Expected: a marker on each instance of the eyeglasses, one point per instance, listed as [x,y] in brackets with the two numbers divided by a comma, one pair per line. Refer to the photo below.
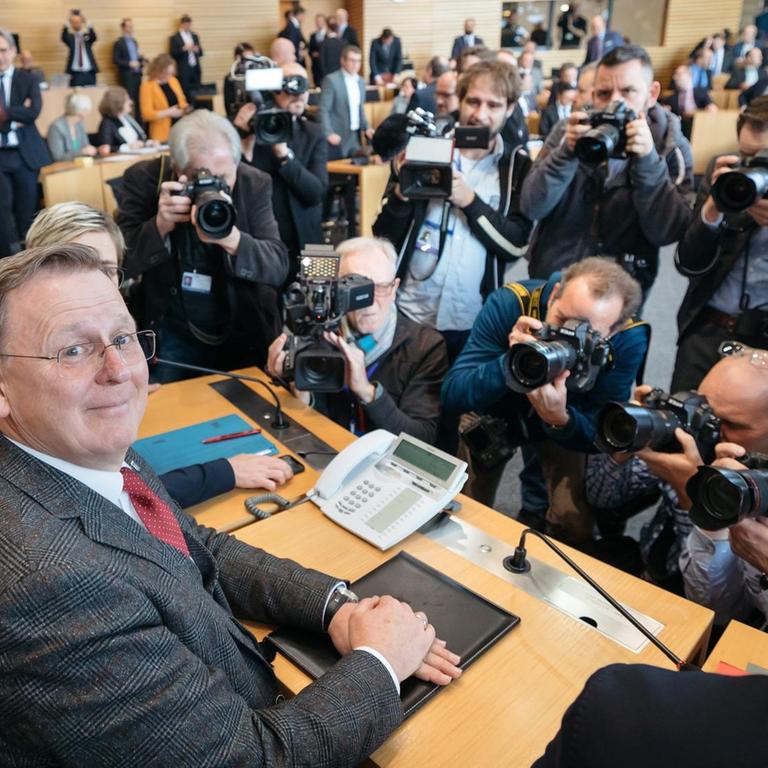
[76,359]
[758,357]
[116,274]
[382,289]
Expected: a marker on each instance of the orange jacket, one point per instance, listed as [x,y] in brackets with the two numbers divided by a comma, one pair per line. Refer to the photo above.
[152,100]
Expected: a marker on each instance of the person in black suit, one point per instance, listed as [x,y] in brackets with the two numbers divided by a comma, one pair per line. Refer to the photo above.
[315,41]
[560,109]
[346,32]
[685,99]
[573,27]
[79,38]
[234,89]
[298,167]
[602,40]
[424,98]
[187,51]
[468,40]
[292,31]
[722,55]
[118,130]
[128,60]
[22,150]
[386,58]
[748,73]
[330,50]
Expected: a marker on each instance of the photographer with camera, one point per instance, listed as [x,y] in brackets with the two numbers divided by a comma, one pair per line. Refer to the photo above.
[724,252]
[614,181]
[453,251]
[201,234]
[294,158]
[393,367]
[542,359]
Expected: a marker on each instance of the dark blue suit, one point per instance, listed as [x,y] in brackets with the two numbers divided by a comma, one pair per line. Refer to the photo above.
[610,41]
[460,43]
[197,483]
[293,33]
[385,62]
[424,98]
[89,38]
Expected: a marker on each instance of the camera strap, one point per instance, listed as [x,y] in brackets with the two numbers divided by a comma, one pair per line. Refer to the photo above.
[745,298]
[530,301]
[443,228]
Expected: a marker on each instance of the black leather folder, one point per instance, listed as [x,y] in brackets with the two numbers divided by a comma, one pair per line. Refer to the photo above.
[469,623]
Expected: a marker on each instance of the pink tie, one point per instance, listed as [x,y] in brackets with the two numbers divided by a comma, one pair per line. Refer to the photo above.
[153,511]
[79,46]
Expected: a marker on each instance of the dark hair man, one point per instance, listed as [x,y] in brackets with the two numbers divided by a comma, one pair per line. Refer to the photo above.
[292,31]
[316,39]
[468,40]
[386,57]
[557,424]
[601,41]
[613,209]
[79,36]
[234,89]
[134,604]
[129,61]
[725,257]
[186,50]
[424,98]
[213,301]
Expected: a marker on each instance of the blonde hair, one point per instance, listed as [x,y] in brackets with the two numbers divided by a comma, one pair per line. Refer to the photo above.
[158,65]
[77,103]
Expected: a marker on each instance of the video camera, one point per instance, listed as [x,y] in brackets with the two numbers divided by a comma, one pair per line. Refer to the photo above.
[628,427]
[723,497]
[427,172]
[216,215]
[314,304]
[573,347]
[608,136]
[742,187]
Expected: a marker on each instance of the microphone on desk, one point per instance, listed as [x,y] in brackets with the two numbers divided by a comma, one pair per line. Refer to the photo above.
[518,563]
[278,422]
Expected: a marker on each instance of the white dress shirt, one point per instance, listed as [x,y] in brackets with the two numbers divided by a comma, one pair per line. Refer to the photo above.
[188,39]
[6,78]
[352,84]
[86,66]
[717,61]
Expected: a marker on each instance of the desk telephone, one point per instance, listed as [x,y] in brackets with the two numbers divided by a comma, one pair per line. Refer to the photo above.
[382,488]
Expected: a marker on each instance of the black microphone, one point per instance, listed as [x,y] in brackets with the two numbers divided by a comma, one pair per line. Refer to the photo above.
[518,563]
[278,422]
[391,137]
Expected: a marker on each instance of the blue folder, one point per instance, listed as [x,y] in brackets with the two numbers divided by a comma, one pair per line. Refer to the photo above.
[182,447]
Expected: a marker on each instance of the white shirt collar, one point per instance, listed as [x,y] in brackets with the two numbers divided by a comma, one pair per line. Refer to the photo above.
[294,21]
[8,72]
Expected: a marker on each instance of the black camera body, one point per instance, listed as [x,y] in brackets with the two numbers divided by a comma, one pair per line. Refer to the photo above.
[314,304]
[489,441]
[628,427]
[216,215]
[608,136]
[272,126]
[574,347]
[747,184]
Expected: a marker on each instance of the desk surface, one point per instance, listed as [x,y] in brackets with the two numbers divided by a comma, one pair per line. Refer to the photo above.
[738,646]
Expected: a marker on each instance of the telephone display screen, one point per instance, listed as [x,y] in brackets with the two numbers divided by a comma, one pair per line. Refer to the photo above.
[424,460]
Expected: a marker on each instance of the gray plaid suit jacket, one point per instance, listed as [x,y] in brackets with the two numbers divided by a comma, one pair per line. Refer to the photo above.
[116,650]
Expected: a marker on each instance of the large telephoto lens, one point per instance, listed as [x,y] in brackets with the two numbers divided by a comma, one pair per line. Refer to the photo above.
[272,126]
[215,215]
[320,367]
[721,497]
[598,144]
[740,189]
[626,427]
[535,363]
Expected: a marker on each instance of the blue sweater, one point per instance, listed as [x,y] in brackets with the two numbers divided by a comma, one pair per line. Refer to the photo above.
[476,380]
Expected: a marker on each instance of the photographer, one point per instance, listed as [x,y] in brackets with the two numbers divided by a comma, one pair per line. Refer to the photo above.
[297,167]
[453,252]
[394,367]
[212,298]
[554,421]
[736,389]
[626,208]
[724,255]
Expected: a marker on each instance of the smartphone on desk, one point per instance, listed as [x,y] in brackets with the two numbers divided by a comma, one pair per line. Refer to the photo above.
[294,464]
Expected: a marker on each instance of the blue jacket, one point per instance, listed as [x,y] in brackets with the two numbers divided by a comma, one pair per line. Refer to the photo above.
[476,380]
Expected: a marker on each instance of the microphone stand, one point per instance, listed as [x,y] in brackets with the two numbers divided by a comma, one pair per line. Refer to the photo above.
[278,422]
[518,563]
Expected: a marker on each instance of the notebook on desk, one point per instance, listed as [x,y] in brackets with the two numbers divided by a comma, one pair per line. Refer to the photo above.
[468,623]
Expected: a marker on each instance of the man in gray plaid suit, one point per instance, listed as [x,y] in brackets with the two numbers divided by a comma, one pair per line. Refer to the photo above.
[118,638]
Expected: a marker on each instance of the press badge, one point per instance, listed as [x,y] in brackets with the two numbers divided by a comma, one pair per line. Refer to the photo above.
[425,252]
[195,282]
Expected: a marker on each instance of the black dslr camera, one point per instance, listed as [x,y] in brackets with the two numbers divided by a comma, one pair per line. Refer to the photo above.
[573,347]
[722,497]
[628,427]
[745,185]
[216,215]
[314,304]
[608,135]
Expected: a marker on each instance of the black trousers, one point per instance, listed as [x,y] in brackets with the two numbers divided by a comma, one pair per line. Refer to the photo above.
[77,79]
[189,79]
[131,81]
[697,353]
[22,183]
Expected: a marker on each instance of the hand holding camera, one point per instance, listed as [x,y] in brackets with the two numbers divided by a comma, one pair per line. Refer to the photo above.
[639,137]
[357,376]
[578,125]
[739,185]
[461,194]
[173,207]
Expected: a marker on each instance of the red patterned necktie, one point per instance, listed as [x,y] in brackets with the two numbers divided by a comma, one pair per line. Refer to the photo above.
[79,47]
[153,511]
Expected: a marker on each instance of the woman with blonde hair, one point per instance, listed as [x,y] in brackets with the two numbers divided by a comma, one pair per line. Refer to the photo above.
[161,99]
[67,137]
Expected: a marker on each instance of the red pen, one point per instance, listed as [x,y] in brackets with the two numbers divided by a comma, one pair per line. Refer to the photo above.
[231,436]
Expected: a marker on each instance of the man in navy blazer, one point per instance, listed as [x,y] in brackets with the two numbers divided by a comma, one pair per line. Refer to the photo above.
[468,40]
[292,31]
[187,52]
[425,98]
[386,58]
[22,150]
[79,38]
[122,642]
[128,60]
[601,41]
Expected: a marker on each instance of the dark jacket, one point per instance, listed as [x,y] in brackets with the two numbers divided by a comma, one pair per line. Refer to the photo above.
[700,97]
[330,56]
[460,43]
[410,375]
[23,108]
[253,275]
[760,88]
[707,256]
[738,76]
[477,380]
[504,233]
[381,62]
[298,187]
[314,54]
[122,57]
[183,68]
[293,33]
[424,98]
[197,483]
[89,38]
[515,130]
[610,41]
[350,36]
[625,219]
[109,133]
[549,119]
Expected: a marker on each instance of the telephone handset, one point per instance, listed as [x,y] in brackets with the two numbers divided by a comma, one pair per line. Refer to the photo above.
[383,487]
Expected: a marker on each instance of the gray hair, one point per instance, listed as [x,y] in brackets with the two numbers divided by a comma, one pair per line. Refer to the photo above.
[77,103]
[197,132]
[8,37]
[369,245]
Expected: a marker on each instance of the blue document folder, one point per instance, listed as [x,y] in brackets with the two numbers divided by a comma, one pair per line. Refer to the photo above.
[182,447]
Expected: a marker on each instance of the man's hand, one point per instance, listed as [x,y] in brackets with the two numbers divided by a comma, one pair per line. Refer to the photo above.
[749,541]
[639,137]
[550,401]
[523,330]
[461,194]
[134,64]
[334,139]
[357,376]
[89,151]
[260,471]
[722,165]
[759,212]
[369,133]
[275,361]
[243,117]
[280,151]
[675,468]
[172,209]
[230,243]
[578,125]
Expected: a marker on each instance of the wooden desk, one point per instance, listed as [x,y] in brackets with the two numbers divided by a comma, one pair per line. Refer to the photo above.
[739,645]
[509,703]
[371,182]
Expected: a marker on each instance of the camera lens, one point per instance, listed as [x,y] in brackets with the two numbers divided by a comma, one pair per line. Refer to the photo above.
[533,364]
[738,190]
[272,126]
[618,427]
[320,367]
[215,215]
[721,497]
[626,427]
[597,145]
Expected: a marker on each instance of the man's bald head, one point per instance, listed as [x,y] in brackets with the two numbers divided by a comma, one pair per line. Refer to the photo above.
[282,51]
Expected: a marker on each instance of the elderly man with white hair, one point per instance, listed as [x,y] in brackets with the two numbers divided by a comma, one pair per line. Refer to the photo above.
[212,298]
